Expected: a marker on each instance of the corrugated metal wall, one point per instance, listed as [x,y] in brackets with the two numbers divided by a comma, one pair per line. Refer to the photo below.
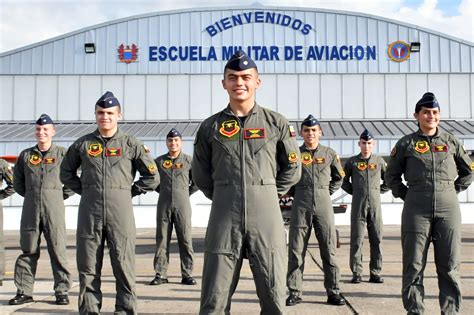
[65,54]
[161,97]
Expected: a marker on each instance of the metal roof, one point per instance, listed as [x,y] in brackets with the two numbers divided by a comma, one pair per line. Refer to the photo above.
[157,130]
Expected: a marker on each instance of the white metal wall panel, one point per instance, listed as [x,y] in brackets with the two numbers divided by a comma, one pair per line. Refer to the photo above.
[178,95]
[465,58]
[90,90]
[6,97]
[134,100]
[200,98]
[287,96]
[458,89]
[267,93]
[331,97]
[47,96]
[374,96]
[157,97]
[395,96]
[24,89]
[220,98]
[439,84]
[309,95]
[433,60]
[352,96]
[417,85]
[68,97]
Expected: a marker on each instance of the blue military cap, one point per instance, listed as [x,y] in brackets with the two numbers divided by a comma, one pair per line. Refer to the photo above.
[310,121]
[173,133]
[44,119]
[107,100]
[428,100]
[240,61]
[366,135]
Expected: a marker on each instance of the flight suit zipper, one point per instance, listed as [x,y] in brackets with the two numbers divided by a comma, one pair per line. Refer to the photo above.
[433,178]
[242,167]
[104,172]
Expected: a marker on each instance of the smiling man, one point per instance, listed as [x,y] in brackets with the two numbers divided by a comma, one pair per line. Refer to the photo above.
[364,180]
[174,208]
[109,160]
[244,156]
[36,178]
[435,167]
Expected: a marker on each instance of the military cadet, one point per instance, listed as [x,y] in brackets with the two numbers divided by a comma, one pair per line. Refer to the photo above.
[174,208]
[435,167]
[109,160]
[6,174]
[362,180]
[321,176]
[36,178]
[244,156]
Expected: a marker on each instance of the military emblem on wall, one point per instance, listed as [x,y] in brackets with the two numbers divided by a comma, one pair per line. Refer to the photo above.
[128,54]
[399,51]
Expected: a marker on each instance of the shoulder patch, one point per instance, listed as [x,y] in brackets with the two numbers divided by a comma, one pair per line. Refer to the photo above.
[152,168]
[292,157]
[472,166]
[291,129]
[145,148]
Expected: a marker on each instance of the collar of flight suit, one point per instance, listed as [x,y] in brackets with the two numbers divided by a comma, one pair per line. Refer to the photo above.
[421,134]
[51,148]
[117,135]
[360,157]
[255,109]
[176,158]
[304,147]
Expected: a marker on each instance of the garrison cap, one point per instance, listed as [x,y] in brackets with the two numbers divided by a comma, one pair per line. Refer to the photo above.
[44,119]
[428,100]
[310,121]
[107,100]
[366,135]
[240,61]
[173,134]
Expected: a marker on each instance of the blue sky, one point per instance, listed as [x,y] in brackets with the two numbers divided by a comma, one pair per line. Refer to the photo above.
[24,22]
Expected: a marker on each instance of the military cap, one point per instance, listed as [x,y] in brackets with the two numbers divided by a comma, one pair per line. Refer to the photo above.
[366,135]
[310,121]
[173,133]
[240,61]
[44,119]
[107,100]
[428,100]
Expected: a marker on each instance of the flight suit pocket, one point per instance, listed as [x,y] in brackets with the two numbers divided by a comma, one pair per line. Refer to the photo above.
[29,240]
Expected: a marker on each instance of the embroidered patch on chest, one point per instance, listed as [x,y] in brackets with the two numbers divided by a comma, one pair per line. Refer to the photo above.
[440,148]
[35,159]
[49,160]
[422,146]
[254,133]
[362,166]
[319,160]
[306,158]
[113,152]
[229,128]
[95,149]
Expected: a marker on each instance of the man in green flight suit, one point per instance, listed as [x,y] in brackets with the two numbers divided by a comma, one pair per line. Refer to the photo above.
[244,156]
[109,160]
[6,175]
[321,176]
[174,208]
[36,178]
[362,180]
[435,167]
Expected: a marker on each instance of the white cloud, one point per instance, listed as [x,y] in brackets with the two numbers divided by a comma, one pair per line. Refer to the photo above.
[24,22]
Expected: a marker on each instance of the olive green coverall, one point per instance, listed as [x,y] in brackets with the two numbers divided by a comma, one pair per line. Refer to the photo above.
[321,176]
[36,178]
[435,170]
[106,186]
[362,180]
[6,175]
[174,208]
[242,169]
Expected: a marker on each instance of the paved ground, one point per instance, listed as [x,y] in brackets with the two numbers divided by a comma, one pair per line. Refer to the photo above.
[364,298]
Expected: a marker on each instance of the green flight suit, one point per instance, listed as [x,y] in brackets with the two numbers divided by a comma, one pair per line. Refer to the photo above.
[435,170]
[362,181]
[242,167]
[321,176]
[174,208]
[6,174]
[36,178]
[106,186]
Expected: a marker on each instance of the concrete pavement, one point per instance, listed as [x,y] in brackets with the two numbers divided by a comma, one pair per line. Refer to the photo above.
[174,298]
